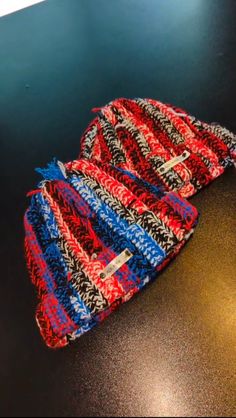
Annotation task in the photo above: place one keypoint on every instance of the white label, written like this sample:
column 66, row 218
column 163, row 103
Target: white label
column 116, row 264
column 174, row 161
column 62, row 168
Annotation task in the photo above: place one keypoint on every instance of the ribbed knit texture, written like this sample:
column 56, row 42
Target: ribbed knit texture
column 81, row 217
column 143, row 134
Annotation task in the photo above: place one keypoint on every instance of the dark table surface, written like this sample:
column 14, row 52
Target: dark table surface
column 171, row 350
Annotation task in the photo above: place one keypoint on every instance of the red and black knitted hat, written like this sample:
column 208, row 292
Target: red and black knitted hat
column 160, row 143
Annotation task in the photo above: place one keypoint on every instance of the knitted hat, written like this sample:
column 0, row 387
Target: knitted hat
column 159, row 143
column 96, row 235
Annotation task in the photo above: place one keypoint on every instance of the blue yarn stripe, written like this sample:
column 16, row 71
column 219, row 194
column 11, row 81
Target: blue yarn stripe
column 53, row 256
column 135, row 233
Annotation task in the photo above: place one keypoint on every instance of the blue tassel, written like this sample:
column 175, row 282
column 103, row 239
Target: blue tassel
column 52, row 172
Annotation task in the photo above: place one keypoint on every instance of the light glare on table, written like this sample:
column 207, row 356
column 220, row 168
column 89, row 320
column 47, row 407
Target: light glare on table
column 10, row 6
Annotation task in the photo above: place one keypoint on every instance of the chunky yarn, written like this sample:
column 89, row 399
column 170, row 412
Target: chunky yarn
column 160, row 143
column 96, row 235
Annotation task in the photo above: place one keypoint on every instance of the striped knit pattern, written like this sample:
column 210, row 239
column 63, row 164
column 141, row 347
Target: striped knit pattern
column 143, row 134
column 82, row 216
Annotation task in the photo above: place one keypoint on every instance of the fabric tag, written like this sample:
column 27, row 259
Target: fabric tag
column 174, row 161
column 62, row 168
column 116, row 264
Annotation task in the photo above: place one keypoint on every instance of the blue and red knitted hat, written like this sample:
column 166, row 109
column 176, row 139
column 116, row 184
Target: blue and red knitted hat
column 96, row 235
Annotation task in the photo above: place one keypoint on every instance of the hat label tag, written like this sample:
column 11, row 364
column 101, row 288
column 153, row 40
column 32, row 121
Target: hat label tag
column 174, row 161
column 116, row 264
column 62, row 168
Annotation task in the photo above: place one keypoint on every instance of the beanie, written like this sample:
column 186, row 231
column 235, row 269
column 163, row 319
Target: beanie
column 95, row 235
column 160, row 143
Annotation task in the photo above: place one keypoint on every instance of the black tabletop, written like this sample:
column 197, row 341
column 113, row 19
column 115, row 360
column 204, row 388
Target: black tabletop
column 171, row 350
